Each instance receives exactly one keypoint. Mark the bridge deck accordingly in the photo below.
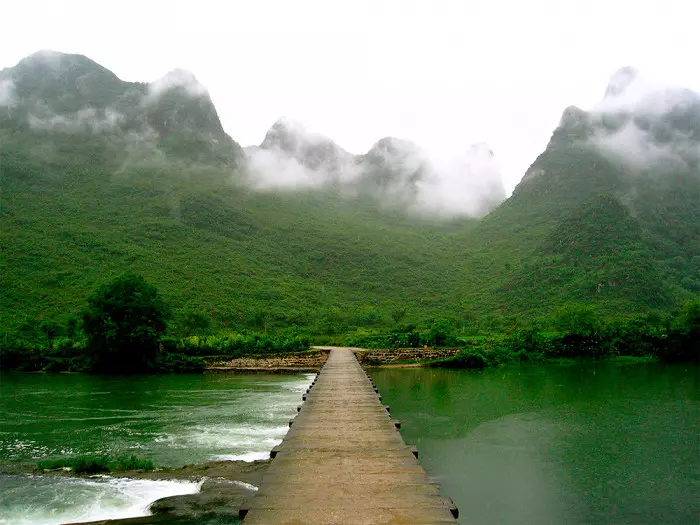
(344, 462)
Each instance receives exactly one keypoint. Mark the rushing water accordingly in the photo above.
(605, 443)
(173, 420)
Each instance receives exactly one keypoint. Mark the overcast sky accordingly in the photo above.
(445, 74)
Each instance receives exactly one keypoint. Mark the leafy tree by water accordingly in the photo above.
(440, 332)
(123, 322)
(51, 330)
(576, 319)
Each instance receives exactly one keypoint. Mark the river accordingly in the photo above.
(595, 443)
(173, 420)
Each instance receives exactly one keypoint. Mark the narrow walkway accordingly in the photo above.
(344, 462)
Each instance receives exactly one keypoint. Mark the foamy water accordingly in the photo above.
(48, 500)
(171, 420)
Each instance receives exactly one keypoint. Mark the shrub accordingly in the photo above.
(79, 465)
(468, 358)
(576, 319)
(96, 464)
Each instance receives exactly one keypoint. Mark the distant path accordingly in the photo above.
(344, 462)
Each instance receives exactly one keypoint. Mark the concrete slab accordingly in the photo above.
(343, 461)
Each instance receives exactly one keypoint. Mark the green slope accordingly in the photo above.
(79, 207)
(209, 245)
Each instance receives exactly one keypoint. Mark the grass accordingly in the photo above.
(96, 464)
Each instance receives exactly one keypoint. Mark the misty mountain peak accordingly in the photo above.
(393, 147)
(178, 80)
(55, 70)
(74, 95)
(620, 81)
(55, 60)
(289, 135)
(310, 149)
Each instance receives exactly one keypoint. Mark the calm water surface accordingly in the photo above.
(173, 420)
(606, 443)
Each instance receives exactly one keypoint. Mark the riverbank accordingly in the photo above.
(403, 356)
(307, 361)
(225, 488)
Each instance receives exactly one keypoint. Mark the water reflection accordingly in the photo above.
(598, 443)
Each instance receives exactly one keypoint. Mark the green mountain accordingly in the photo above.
(53, 98)
(100, 176)
(610, 211)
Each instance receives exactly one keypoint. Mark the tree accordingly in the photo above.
(577, 319)
(440, 332)
(71, 326)
(51, 330)
(196, 323)
(398, 314)
(123, 322)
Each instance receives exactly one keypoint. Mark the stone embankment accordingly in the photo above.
(311, 361)
(402, 355)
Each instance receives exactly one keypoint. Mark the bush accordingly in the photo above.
(576, 319)
(440, 333)
(167, 363)
(79, 465)
(683, 341)
(131, 463)
(96, 464)
(235, 344)
(468, 359)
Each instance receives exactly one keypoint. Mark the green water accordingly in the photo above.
(605, 443)
(172, 420)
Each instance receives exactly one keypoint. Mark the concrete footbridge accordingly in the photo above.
(344, 462)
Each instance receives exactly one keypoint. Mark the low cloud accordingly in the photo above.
(274, 169)
(179, 79)
(293, 156)
(469, 184)
(87, 120)
(639, 149)
(647, 124)
(7, 93)
(396, 172)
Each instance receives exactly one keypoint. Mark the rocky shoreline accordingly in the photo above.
(310, 361)
(226, 487)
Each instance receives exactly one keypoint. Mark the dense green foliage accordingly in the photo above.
(583, 335)
(572, 331)
(79, 208)
(123, 331)
(123, 323)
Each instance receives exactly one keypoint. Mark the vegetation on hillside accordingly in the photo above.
(242, 269)
(572, 331)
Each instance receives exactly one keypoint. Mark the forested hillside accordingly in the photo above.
(101, 176)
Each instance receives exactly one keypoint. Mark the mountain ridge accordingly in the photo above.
(80, 207)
